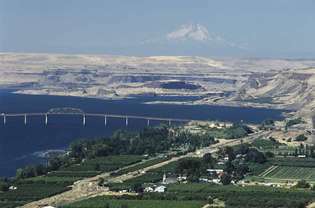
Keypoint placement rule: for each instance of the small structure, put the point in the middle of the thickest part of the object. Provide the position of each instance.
(215, 171)
(216, 181)
(148, 189)
(181, 178)
(168, 180)
(11, 188)
(160, 189)
(204, 180)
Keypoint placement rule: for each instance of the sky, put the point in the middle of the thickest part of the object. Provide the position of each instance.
(211, 28)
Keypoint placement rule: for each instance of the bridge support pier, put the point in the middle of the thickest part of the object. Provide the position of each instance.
(169, 122)
(148, 122)
(126, 121)
(46, 119)
(105, 120)
(83, 120)
(25, 120)
(4, 119)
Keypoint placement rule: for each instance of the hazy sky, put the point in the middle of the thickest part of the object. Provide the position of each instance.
(252, 28)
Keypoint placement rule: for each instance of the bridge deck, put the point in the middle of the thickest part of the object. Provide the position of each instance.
(101, 115)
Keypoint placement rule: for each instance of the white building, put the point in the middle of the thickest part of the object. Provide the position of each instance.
(160, 189)
(148, 189)
(215, 171)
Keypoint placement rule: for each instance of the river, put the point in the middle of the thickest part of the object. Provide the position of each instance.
(21, 145)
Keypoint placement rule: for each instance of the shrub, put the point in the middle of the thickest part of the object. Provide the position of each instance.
(302, 184)
(301, 138)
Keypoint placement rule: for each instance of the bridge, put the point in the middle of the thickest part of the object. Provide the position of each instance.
(84, 116)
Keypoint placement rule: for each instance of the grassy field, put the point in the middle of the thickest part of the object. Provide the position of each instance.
(101, 202)
(295, 173)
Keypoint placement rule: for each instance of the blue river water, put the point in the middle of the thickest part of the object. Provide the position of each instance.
(21, 144)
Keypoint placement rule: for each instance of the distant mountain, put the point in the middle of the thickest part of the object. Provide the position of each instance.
(193, 39)
(195, 32)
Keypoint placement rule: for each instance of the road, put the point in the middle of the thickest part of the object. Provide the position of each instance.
(88, 187)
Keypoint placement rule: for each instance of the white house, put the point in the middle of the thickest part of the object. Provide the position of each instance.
(160, 189)
(148, 189)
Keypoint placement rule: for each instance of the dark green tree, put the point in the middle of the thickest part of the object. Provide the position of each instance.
(226, 179)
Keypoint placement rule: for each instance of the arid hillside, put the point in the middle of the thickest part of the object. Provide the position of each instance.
(274, 83)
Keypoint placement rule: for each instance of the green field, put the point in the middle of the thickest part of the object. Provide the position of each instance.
(293, 173)
(140, 166)
(196, 195)
(55, 182)
(29, 192)
(101, 202)
(87, 169)
(244, 197)
(152, 176)
(265, 144)
(294, 162)
(105, 164)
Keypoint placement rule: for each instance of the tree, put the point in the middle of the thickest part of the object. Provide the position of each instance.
(97, 167)
(302, 184)
(270, 154)
(241, 149)
(137, 187)
(301, 138)
(190, 167)
(19, 173)
(254, 155)
(55, 163)
(229, 167)
(267, 124)
(101, 181)
(226, 179)
(193, 178)
(208, 160)
(230, 153)
(312, 153)
(4, 185)
(78, 149)
(40, 170)
(210, 200)
(240, 171)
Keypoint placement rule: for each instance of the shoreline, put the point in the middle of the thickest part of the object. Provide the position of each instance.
(188, 102)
